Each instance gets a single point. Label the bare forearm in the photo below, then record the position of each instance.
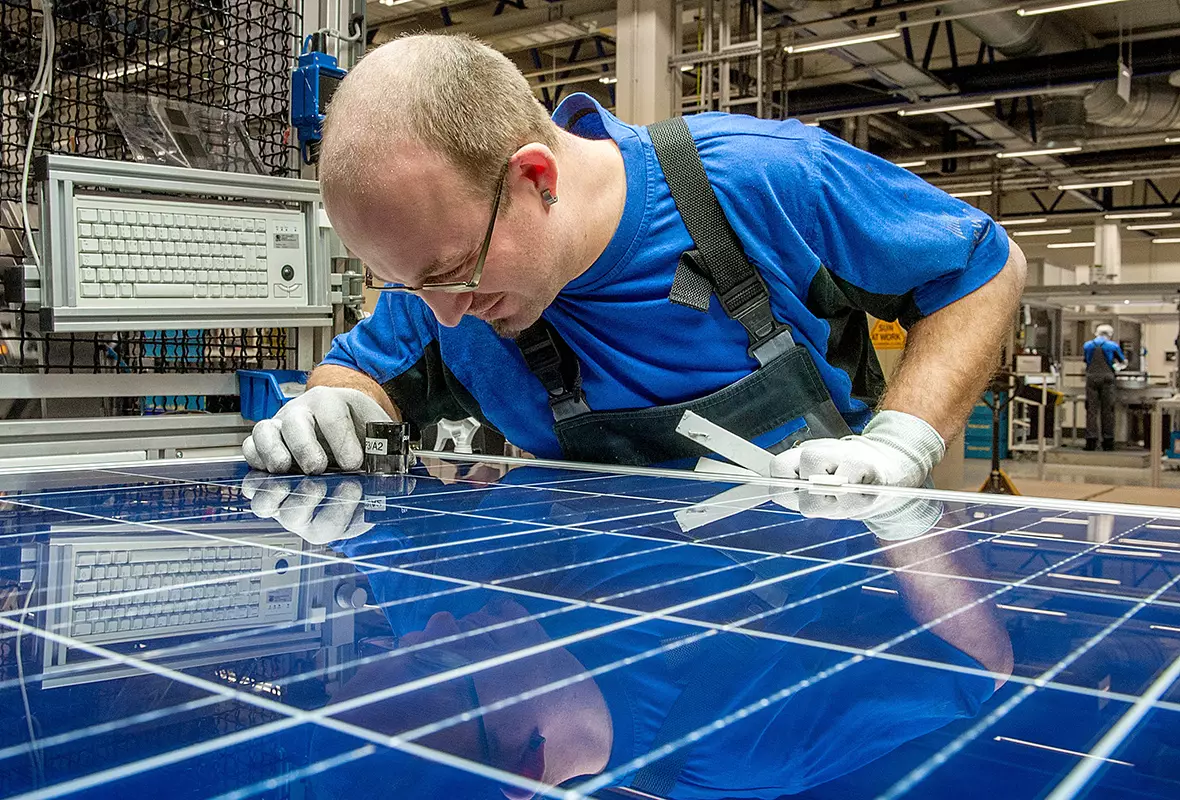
(345, 378)
(951, 354)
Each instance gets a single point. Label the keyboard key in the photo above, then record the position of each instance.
(85, 573)
(116, 275)
(104, 215)
(88, 214)
(85, 587)
(88, 245)
(100, 627)
(117, 216)
(202, 290)
(123, 261)
(90, 290)
(99, 573)
(89, 275)
(181, 290)
(81, 629)
(103, 275)
(126, 290)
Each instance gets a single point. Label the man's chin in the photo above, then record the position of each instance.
(511, 327)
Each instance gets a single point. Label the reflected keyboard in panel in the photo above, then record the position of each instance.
(113, 590)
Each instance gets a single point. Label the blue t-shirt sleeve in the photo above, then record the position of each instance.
(1118, 352)
(387, 343)
(901, 242)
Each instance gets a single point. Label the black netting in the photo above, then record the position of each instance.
(227, 59)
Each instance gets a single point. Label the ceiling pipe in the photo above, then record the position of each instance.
(1016, 36)
(1154, 104)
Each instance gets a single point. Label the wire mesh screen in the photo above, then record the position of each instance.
(222, 60)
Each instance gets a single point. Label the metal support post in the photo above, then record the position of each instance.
(645, 89)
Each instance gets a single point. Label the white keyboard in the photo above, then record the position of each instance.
(163, 252)
(97, 575)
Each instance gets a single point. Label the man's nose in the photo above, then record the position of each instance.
(448, 308)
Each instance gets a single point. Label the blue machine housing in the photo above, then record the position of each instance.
(313, 83)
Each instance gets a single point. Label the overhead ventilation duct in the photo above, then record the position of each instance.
(1063, 120)
(1154, 105)
(1015, 36)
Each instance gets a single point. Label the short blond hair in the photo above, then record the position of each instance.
(453, 94)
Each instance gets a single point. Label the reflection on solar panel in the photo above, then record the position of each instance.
(495, 630)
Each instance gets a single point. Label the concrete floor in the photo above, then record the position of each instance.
(1067, 481)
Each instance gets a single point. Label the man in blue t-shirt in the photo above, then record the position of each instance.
(577, 283)
(1102, 353)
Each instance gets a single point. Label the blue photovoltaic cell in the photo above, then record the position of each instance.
(475, 630)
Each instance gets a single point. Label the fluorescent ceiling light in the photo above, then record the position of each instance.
(919, 110)
(608, 80)
(1065, 187)
(1171, 240)
(1172, 140)
(688, 68)
(910, 164)
(843, 41)
(131, 69)
(394, 2)
(1068, 245)
(1138, 215)
(972, 193)
(1045, 151)
(1051, 8)
(811, 124)
(1153, 226)
(1008, 223)
(1046, 232)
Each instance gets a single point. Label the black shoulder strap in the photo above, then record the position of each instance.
(556, 367)
(738, 285)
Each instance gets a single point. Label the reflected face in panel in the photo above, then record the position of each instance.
(508, 737)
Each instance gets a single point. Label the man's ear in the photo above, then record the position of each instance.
(536, 164)
(532, 766)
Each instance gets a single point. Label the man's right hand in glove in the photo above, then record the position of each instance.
(323, 427)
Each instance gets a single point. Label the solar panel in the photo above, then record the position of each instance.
(516, 629)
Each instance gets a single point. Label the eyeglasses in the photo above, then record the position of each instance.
(452, 287)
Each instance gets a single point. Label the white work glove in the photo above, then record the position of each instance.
(896, 449)
(296, 436)
(304, 507)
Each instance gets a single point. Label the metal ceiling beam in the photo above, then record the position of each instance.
(599, 12)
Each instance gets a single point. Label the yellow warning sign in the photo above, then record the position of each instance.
(887, 336)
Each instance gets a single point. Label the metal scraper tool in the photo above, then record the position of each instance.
(738, 450)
